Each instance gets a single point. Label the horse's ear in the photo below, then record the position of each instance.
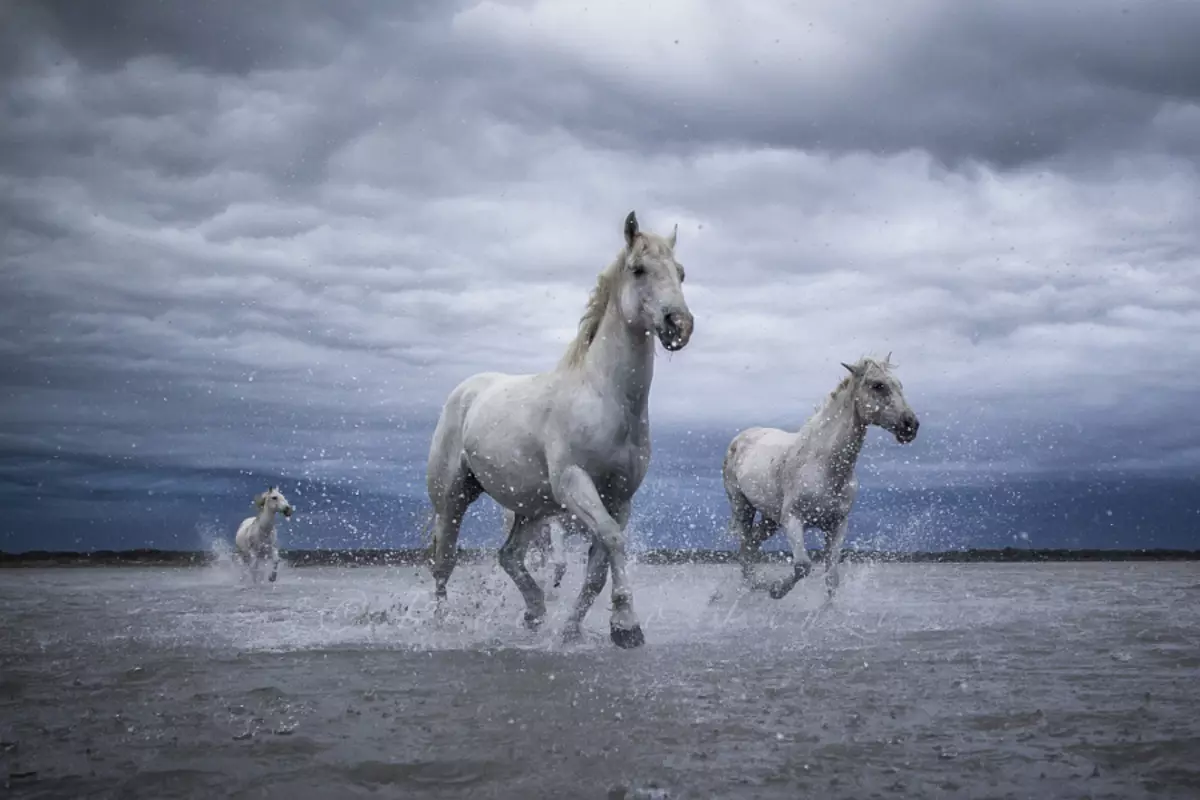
(671, 238)
(887, 362)
(855, 371)
(631, 228)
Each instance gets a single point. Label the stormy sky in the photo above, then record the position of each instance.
(262, 241)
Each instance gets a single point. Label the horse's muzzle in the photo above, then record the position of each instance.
(287, 511)
(906, 432)
(675, 330)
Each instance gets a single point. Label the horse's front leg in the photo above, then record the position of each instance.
(801, 560)
(274, 559)
(593, 584)
(741, 525)
(833, 556)
(573, 488)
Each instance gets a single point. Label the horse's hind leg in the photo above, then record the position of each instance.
(833, 558)
(558, 553)
(512, 560)
(741, 523)
(461, 490)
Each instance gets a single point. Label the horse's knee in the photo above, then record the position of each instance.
(612, 539)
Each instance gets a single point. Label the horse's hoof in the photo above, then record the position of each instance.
(571, 634)
(534, 621)
(271, 577)
(627, 638)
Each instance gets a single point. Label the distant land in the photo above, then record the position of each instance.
(413, 557)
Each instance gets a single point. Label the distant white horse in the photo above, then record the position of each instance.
(256, 540)
(575, 439)
(805, 480)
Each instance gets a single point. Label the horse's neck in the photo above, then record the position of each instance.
(622, 357)
(266, 519)
(837, 433)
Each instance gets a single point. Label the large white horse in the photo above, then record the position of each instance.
(574, 440)
(805, 480)
(256, 539)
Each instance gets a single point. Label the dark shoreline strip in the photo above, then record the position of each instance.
(412, 557)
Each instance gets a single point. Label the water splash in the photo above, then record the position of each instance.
(215, 541)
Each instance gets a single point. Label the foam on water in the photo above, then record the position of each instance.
(392, 607)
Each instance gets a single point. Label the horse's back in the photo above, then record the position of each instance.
(448, 434)
(754, 444)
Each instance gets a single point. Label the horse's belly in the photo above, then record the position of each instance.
(517, 484)
(510, 466)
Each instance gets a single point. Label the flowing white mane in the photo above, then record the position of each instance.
(598, 300)
(589, 323)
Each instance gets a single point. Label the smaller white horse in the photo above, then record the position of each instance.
(805, 480)
(256, 540)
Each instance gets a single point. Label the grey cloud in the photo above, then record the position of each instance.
(1003, 83)
(274, 238)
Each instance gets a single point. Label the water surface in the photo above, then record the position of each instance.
(984, 680)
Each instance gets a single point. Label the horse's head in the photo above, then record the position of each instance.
(879, 399)
(650, 286)
(273, 500)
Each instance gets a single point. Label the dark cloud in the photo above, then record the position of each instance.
(267, 239)
(1007, 84)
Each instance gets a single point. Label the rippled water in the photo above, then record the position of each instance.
(921, 681)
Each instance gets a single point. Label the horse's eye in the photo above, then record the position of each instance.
(682, 275)
(879, 387)
(639, 270)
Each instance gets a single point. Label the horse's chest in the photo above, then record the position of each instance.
(821, 503)
(620, 469)
(257, 538)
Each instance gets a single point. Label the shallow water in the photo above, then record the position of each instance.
(1061, 680)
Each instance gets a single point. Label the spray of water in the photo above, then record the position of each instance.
(218, 543)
